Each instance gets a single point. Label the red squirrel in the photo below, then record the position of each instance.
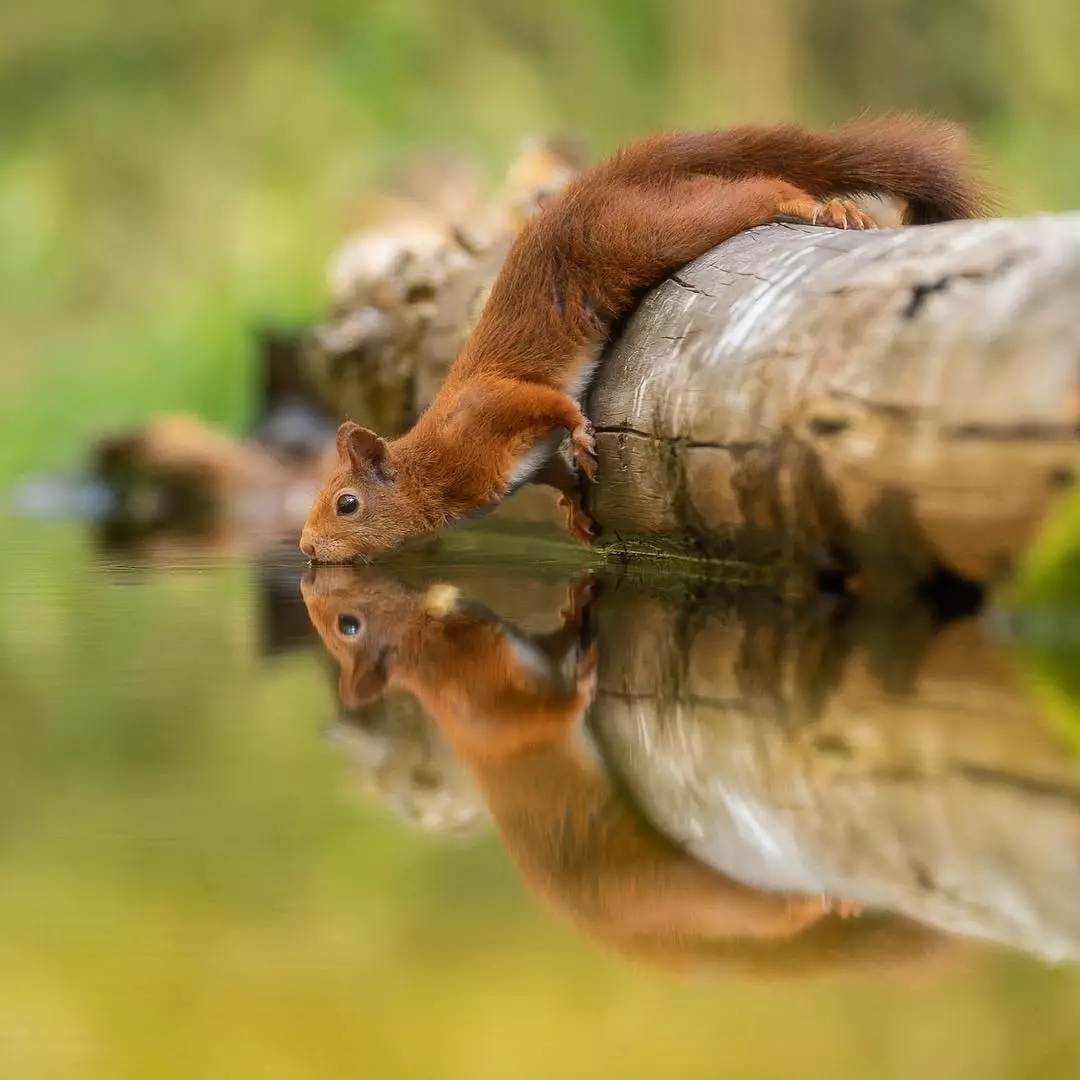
(513, 709)
(573, 272)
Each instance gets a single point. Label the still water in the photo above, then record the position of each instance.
(500, 818)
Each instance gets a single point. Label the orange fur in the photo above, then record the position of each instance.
(512, 708)
(575, 269)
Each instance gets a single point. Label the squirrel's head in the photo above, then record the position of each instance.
(361, 509)
(362, 615)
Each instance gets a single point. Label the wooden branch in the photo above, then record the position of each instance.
(882, 403)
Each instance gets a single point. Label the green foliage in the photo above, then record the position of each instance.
(171, 174)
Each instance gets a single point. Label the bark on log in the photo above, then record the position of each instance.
(886, 403)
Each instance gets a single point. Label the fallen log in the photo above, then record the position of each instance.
(883, 404)
(802, 403)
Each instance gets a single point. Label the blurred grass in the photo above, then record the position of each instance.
(171, 174)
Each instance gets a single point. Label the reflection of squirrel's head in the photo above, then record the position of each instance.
(395, 747)
(362, 616)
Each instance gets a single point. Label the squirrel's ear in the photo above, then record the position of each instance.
(360, 448)
(359, 685)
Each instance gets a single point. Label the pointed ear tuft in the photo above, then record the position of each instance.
(360, 448)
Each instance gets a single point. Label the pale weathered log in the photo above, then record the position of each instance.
(885, 403)
(879, 405)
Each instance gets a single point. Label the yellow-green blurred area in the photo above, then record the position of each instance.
(195, 888)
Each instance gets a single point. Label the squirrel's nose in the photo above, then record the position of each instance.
(307, 546)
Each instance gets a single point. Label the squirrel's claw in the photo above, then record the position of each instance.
(583, 440)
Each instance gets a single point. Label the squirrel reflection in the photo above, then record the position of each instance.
(513, 707)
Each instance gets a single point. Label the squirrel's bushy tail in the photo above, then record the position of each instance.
(927, 163)
(619, 228)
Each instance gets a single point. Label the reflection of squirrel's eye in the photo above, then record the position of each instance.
(349, 625)
(347, 504)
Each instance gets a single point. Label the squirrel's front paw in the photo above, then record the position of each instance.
(583, 440)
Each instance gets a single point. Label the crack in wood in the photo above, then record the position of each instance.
(976, 774)
(922, 291)
(1025, 431)
(737, 447)
(1020, 431)
(684, 284)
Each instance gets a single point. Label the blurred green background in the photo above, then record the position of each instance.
(170, 173)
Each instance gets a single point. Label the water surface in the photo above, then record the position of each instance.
(237, 842)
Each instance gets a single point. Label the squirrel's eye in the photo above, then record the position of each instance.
(348, 625)
(347, 504)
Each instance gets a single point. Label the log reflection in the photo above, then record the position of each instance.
(871, 755)
(729, 783)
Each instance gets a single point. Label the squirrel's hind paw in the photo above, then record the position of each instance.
(834, 214)
(583, 440)
(578, 520)
(843, 214)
